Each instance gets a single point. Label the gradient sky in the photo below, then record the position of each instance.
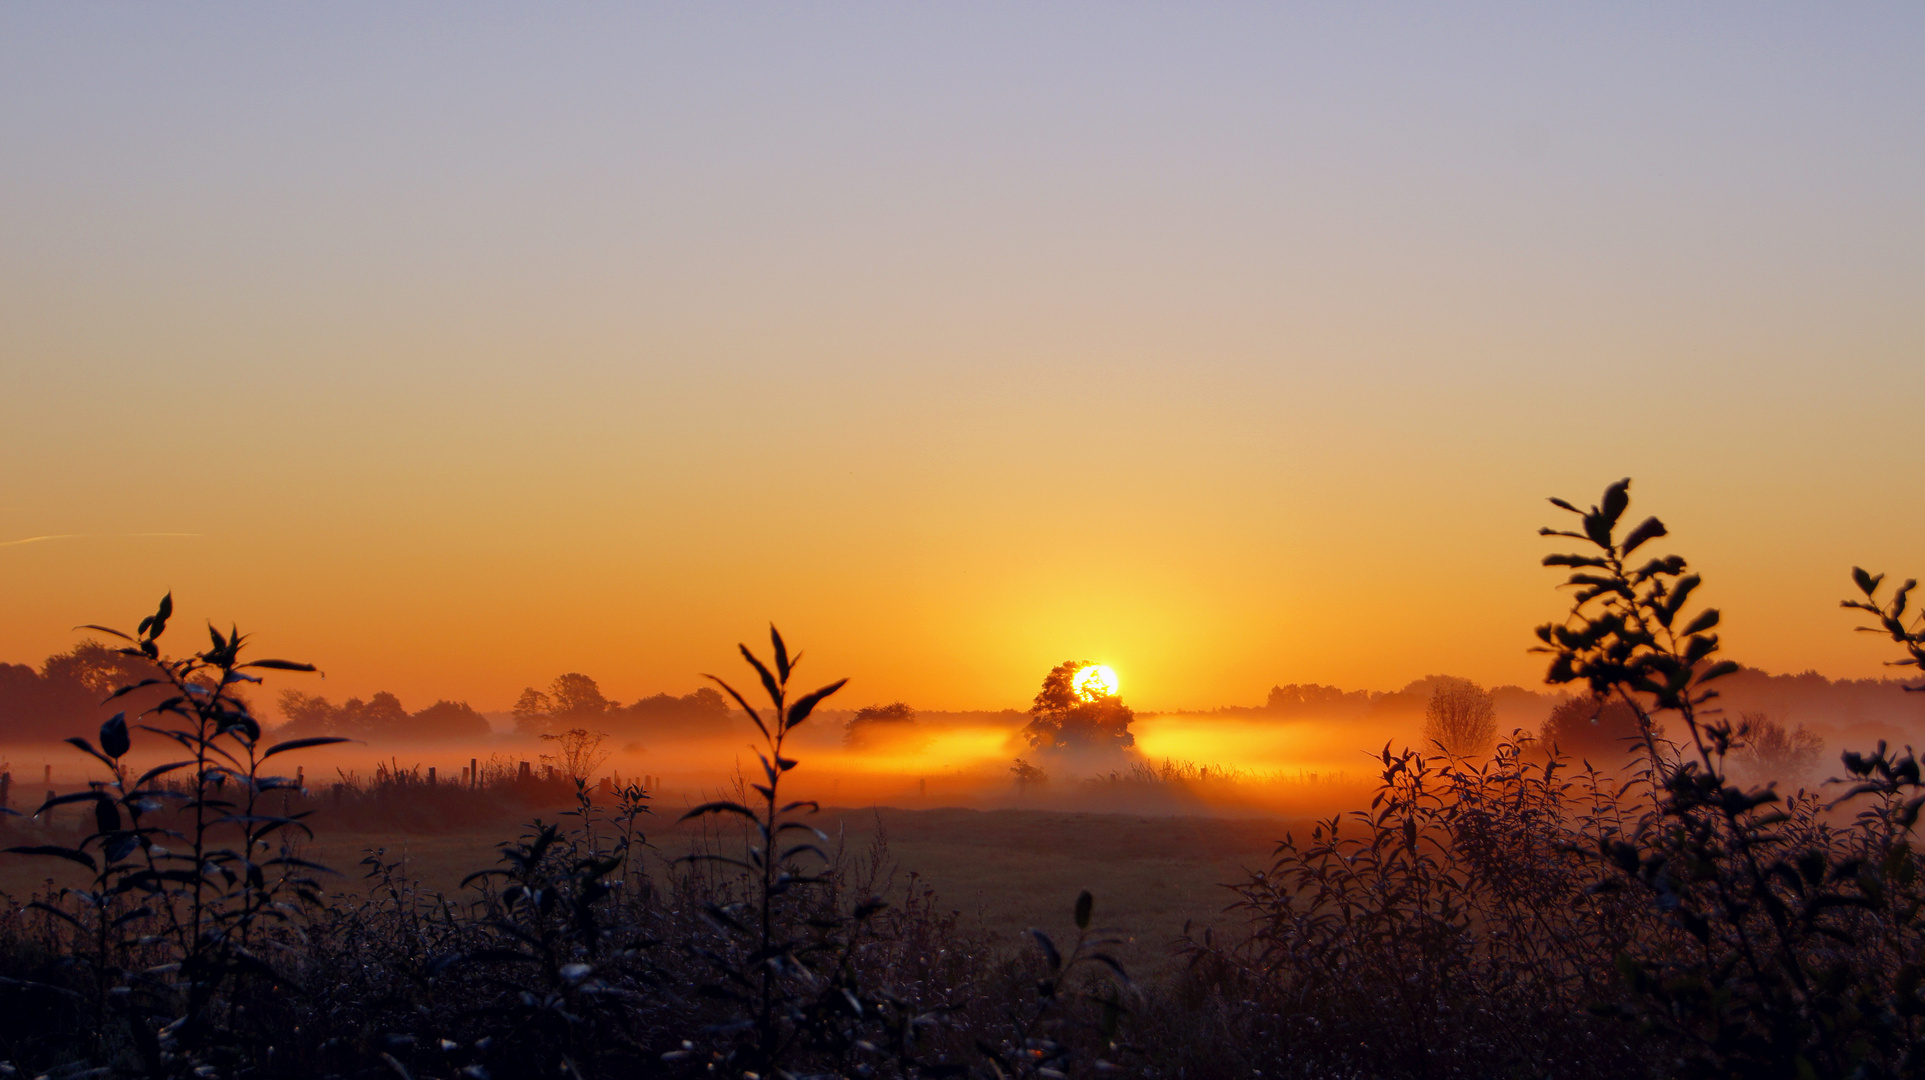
(1230, 345)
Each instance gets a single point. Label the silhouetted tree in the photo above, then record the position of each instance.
(1587, 728)
(893, 725)
(35, 708)
(1297, 697)
(65, 697)
(575, 694)
(1768, 751)
(571, 700)
(1063, 718)
(449, 720)
(99, 668)
(1460, 717)
(381, 718)
(700, 711)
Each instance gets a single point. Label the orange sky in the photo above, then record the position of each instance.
(1230, 349)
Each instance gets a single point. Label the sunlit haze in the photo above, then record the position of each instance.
(1096, 681)
(454, 348)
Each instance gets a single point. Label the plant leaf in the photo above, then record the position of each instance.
(806, 704)
(67, 853)
(113, 736)
(302, 744)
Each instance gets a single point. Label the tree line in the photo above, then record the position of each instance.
(67, 697)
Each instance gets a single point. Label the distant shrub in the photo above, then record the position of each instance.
(1026, 775)
(1460, 717)
(885, 727)
(1763, 747)
(1453, 928)
(1606, 731)
(578, 753)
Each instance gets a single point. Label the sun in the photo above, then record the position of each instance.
(1095, 681)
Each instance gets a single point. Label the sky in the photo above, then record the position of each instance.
(452, 347)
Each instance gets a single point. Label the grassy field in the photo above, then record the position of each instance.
(1005, 870)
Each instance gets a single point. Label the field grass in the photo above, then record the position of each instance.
(1004, 870)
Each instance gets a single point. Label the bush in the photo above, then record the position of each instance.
(885, 727)
(1607, 731)
(1460, 717)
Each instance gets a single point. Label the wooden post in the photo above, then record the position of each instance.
(431, 779)
(527, 772)
(474, 774)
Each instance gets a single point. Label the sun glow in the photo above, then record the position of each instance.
(1095, 681)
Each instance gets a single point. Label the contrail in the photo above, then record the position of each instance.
(90, 536)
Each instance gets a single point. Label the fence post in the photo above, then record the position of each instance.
(527, 772)
(474, 774)
(431, 779)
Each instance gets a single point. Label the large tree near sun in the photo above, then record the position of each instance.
(1072, 713)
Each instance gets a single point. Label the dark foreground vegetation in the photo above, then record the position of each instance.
(1514, 913)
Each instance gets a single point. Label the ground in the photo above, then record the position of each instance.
(1005, 870)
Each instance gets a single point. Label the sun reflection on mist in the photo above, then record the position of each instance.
(1257, 747)
(949, 748)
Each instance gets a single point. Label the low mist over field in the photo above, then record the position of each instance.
(1307, 748)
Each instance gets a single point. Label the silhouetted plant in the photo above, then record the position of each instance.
(1077, 1008)
(1891, 619)
(171, 935)
(1467, 921)
(1769, 960)
(1448, 929)
(790, 965)
(578, 753)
